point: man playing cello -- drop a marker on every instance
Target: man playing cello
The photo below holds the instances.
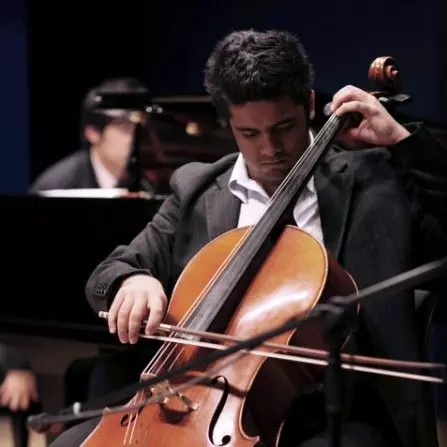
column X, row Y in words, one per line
column 378, row 212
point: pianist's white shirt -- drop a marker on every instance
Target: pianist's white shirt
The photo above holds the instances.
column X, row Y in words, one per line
column 254, row 200
column 104, row 177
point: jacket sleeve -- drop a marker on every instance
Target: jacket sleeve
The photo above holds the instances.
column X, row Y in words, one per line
column 148, row 253
column 11, row 358
column 422, row 166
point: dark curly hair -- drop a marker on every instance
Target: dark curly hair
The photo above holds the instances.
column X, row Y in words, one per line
column 251, row 65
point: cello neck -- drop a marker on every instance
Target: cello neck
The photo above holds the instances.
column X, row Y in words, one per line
column 293, row 185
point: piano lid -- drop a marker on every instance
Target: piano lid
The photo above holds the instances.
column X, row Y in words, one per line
column 188, row 129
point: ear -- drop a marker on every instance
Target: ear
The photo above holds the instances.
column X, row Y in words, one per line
column 92, row 134
column 312, row 105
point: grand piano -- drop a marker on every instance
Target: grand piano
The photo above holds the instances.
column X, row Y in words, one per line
column 52, row 242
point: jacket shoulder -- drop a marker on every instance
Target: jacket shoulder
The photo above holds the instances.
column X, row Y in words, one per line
column 195, row 176
column 62, row 174
column 359, row 161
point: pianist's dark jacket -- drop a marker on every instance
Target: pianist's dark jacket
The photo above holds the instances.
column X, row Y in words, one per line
column 11, row 358
column 75, row 172
column 383, row 211
column 72, row 172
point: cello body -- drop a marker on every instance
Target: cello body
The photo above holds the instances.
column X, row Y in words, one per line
column 247, row 401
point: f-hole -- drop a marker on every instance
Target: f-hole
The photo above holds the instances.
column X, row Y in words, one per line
column 226, row 438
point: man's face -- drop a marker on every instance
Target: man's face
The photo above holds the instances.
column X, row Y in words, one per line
column 271, row 136
column 114, row 143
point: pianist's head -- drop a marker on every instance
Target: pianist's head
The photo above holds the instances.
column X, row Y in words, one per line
column 260, row 82
column 108, row 133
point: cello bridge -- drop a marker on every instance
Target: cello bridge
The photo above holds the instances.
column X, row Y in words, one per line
column 164, row 390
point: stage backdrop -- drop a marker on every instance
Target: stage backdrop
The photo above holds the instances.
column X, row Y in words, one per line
column 74, row 45
column 13, row 97
column 342, row 39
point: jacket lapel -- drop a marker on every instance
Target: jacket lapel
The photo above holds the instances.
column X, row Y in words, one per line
column 219, row 198
column 334, row 188
column 334, row 184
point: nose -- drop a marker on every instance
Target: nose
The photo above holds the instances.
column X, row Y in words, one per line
column 271, row 145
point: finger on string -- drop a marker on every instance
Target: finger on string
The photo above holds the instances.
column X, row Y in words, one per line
column 349, row 93
column 355, row 107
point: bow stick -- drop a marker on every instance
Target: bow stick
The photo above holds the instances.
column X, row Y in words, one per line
column 309, row 355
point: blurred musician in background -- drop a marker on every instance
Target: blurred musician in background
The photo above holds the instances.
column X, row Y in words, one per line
column 18, row 391
column 106, row 145
column 101, row 162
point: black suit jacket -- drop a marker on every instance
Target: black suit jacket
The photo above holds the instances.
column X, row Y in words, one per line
column 383, row 211
column 11, row 358
column 72, row 172
column 75, row 172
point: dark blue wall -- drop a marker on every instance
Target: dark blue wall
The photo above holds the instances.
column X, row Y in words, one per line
column 13, row 97
column 167, row 45
column 342, row 38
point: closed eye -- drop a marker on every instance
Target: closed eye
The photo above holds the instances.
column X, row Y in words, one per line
column 285, row 127
column 249, row 133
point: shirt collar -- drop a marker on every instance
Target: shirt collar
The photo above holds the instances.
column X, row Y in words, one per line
column 241, row 185
column 104, row 177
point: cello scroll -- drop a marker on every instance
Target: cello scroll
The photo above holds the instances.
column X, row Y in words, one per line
column 386, row 79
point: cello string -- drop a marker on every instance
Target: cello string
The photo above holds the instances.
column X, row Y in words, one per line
column 137, row 414
column 134, row 402
column 208, row 286
column 251, row 232
column 201, row 296
column 130, row 415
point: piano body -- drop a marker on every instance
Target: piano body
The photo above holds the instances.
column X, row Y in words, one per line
column 50, row 247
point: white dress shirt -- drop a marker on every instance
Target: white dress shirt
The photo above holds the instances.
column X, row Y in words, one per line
column 104, row 177
column 254, row 201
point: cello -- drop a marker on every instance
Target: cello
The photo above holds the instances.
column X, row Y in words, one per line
column 230, row 286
